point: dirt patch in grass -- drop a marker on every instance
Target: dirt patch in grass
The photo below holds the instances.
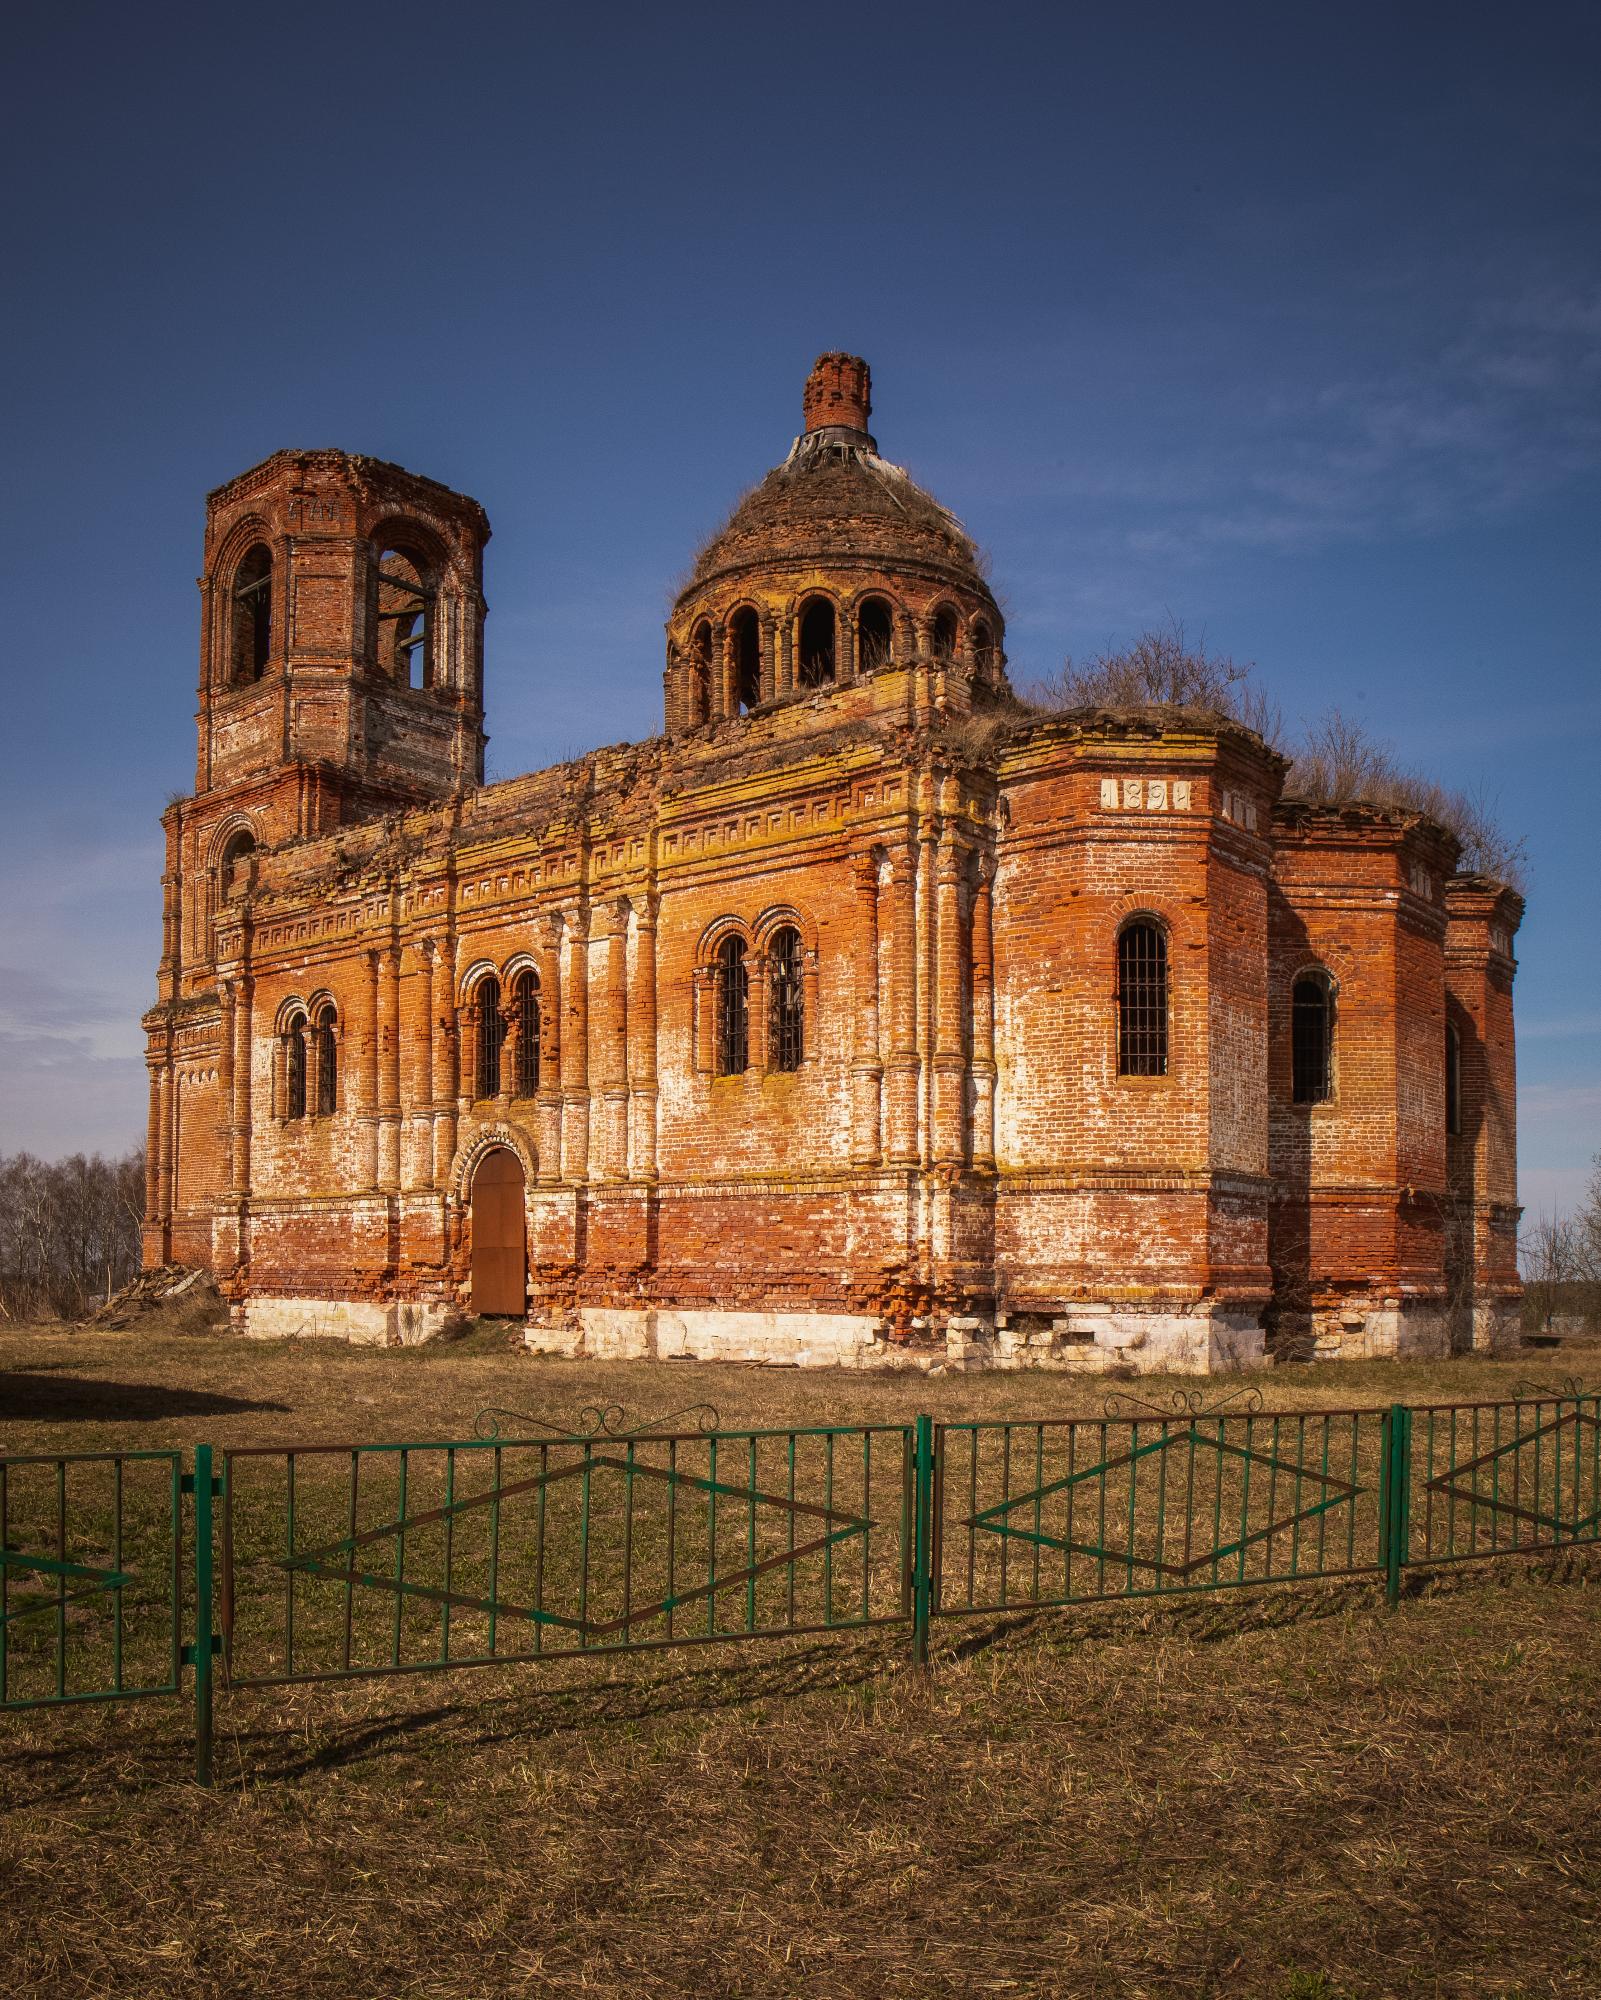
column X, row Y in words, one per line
column 1279, row 1795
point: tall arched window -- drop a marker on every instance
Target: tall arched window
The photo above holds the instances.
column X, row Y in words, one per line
column 405, row 619
column 1311, row 1039
column 525, row 1034
column 1453, row 1080
column 945, row 631
column 815, row 664
column 294, row 1061
column 788, row 990
column 251, row 638
column 700, row 673
column 875, row 624
column 983, row 650
column 325, row 1045
column 1141, row 1000
column 489, row 1030
column 233, row 873
column 746, row 634
column 733, row 1008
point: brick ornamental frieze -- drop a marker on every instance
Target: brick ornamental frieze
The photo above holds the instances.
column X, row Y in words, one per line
column 868, row 1016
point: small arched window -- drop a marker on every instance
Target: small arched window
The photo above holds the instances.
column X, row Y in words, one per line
column 875, row 625
column 1311, row 1039
column 788, row 988
column 1141, row 1000
column 233, row 871
column 816, row 647
column 405, row 619
column 489, row 1031
column 945, row 631
column 983, row 651
column 525, row 1034
column 747, row 642
column 700, row 673
column 325, row 1048
column 294, row 1059
column 1453, row 1080
column 733, row 1008
column 251, row 637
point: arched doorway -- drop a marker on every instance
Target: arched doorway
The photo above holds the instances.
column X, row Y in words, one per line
column 499, row 1237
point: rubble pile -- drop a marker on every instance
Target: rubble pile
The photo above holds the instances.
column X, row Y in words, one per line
column 167, row 1287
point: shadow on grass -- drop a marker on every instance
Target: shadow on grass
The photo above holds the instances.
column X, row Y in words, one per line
column 55, row 1398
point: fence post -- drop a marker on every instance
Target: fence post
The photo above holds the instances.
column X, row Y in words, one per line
column 1395, row 1498
column 205, row 1642
column 922, row 1538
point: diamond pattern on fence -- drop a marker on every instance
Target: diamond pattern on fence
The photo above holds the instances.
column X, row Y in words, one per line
column 1530, row 1478
column 1146, row 1544
column 337, row 1560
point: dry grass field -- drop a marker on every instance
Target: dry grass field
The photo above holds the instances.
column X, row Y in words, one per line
column 1281, row 1795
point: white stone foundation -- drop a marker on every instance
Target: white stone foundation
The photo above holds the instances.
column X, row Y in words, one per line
column 1089, row 1340
column 399, row 1323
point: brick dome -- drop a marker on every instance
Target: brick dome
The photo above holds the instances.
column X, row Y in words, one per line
column 835, row 499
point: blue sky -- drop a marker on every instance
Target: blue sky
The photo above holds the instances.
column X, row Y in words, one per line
column 1284, row 322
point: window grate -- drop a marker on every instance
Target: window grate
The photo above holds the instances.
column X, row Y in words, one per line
column 327, row 1062
column 788, row 1000
column 733, row 1008
column 295, row 1071
column 490, row 1030
column 1141, row 1001
column 1311, row 1040
column 525, row 1046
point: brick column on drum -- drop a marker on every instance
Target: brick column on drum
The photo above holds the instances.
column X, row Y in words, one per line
column 369, row 1070
column 614, row 1046
column 769, row 684
column 900, row 1068
column 866, row 1069
column 950, row 1063
column 575, row 1050
column 723, row 639
column 389, row 1069
column 548, row 1096
column 984, row 1015
column 642, row 1038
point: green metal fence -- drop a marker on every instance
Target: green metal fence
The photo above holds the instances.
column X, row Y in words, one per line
column 329, row 1562
column 91, row 1576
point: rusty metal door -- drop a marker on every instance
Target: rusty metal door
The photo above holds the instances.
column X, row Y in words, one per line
column 499, row 1240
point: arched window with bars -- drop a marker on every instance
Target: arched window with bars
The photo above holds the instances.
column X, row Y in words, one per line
column 325, row 1053
column 1142, row 999
column 293, row 1039
column 1312, row 1039
column 787, row 989
column 406, row 594
column 732, row 984
column 488, row 1032
column 525, row 1034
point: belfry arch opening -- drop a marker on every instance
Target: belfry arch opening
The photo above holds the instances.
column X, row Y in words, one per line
column 251, row 637
column 815, row 646
column 746, row 637
column 875, row 626
column 405, row 619
column 499, row 1236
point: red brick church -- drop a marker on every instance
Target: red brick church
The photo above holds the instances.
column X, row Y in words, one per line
column 866, row 1016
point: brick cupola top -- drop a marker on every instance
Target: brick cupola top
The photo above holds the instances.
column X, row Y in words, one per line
column 838, row 394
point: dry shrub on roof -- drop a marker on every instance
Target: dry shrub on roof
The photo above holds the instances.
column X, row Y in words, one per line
column 1164, row 670
column 1337, row 762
